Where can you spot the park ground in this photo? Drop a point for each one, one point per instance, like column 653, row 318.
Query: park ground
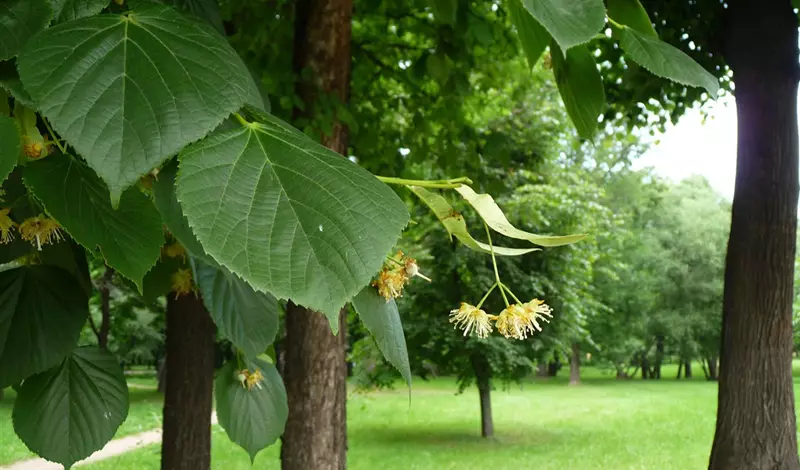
column 544, row 424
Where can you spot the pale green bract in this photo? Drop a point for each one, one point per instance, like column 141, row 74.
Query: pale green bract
column 129, row 237
column 581, row 87
column 68, row 412
column 288, row 215
column 134, row 89
column 570, row 22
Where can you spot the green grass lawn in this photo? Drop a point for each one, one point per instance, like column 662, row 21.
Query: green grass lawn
column 545, row 424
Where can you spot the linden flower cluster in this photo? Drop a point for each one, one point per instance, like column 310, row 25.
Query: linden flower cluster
column 249, row 379
column 396, row 273
column 516, row 321
column 39, row 230
column 182, row 282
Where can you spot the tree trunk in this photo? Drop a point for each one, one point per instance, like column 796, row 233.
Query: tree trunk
column 575, row 365
column 659, row 358
column 645, row 368
column 186, row 444
column 755, row 417
column 712, row 368
column 553, row 368
column 315, row 377
column 687, row 369
column 105, row 308
column 315, row 371
column 680, row 369
column 541, row 370
column 483, row 377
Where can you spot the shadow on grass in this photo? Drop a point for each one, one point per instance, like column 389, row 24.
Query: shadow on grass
column 452, row 436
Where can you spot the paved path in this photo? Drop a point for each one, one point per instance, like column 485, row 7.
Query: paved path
column 113, row 448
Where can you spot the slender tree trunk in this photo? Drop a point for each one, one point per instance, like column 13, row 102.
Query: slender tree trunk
column 575, row 365
column 315, row 371
column 645, row 368
column 756, row 414
column 687, row 369
column 483, row 377
column 186, row 444
column 680, row 369
column 659, row 357
column 712, row 368
column 315, row 377
column 553, row 367
column 105, row 308
column 541, row 370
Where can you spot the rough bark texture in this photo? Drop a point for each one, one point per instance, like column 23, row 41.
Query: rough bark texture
column 315, row 377
column 575, row 365
column 483, row 378
column 315, row 371
column 755, row 417
column 187, row 403
column 105, row 308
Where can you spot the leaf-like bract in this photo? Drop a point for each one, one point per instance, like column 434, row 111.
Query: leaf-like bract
column 288, row 215
column 254, row 418
column 134, row 89
column 68, row 412
column 661, row 59
column 581, row 88
column 129, row 237
column 491, row 213
column 383, row 321
column 570, row 22
column 248, row 318
column 455, row 225
column 42, row 311
column 20, row 20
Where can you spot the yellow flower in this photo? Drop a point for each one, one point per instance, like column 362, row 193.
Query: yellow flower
column 6, row 225
column 182, row 282
column 471, row 319
column 249, row 379
column 519, row 321
column 41, row 229
column 33, row 149
column 174, row 250
column 537, row 310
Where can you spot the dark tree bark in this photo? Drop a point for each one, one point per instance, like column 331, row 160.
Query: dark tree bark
column 575, row 365
column 553, row 367
column 680, row 369
column 186, row 444
column 645, row 368
column 712, row 368
column 659, row 358
column 687, row 369
column 315, row 370
column 105, row 308
column 541, row 370
column 315, row 377
column 483, row 378
column 756, row 413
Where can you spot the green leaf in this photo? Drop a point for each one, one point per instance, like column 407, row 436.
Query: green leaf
column 288, row 215
column 383, row 321
column 158, row 281
column 666, row 61
column 70, row 257
column 254, row 419
column 135, row 88
column 581, row 87
column 65, row 10
column 9, row 81
column 72, row 410
column 42, row 311
column 10, row 146
column 205, row 9
column 19, row 21
column 248, row 318
column 532, row 35
column 130, row 237
column 491, row 213
column 455, row 225
column 445, row 11
column 570, row 22
column 172, row 213
column 631, row 13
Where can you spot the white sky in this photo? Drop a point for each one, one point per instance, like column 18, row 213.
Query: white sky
column 693, row 147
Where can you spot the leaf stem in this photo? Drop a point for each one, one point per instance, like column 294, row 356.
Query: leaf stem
column 614, row 23
column 494, row 264
column 503, row 286
column 62, row 148
column 486, row 296
column 436, row 184
column 241, row 120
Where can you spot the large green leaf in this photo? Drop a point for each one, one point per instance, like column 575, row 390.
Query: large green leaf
column 172, row 213
column 65, row 10
column 631, row 13
column 666, row 61
column 532, row 35
column 254, row 418
column 42, row 311
column 491, row 213
column 383, row 321
column 581, row 87
column 9, row 81
column 70, row 411
column 70, row 257
column 248, row 318
column 134, row 89
column 455, row 225
column 19, row 21
column 570, row 22
column 10, row 146
column 130, row 237
column 287, row 214
column 205, row 9
column 445, row 11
